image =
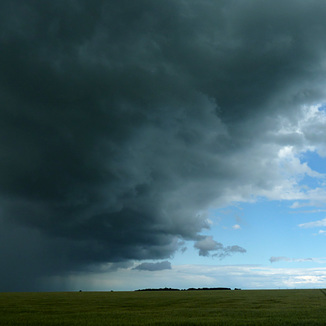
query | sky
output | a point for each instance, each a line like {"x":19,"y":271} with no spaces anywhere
{"x":174,"y":143}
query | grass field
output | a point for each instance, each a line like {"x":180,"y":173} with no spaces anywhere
{"x":259,"y":307}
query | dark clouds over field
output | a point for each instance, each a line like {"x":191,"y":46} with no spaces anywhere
{"x":154,"y":266}
{"x":122,"y":122}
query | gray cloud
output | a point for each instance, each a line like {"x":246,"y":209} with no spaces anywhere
{"x":208,"y":246}
{"x":287,"y":259}
{"x":120,"y":124}
{"x":277,"y":259}
{"x":154,"y":266}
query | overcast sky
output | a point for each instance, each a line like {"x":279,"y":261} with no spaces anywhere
{"x":162,"y":143}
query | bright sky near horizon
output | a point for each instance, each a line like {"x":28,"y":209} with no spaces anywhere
{"x":162,"y":144}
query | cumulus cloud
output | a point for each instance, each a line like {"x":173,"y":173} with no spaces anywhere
{"x":208,"y":246}
{"x":154,"y":266}
{"x":122,"y":124}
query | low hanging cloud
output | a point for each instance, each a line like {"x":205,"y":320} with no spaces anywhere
{"x":159,"y":266}
{"x":207,"y":246}
{"x":121,"y":124}
{"x":292,"y":260}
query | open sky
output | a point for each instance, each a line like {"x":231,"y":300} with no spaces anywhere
{"x":162,"y":144}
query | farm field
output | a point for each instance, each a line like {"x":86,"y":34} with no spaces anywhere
{"x":250,"y":307}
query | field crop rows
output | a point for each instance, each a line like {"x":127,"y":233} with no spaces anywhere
{"x":255,"y":307}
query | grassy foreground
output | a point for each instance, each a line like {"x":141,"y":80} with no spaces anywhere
{"x":260,"y":307}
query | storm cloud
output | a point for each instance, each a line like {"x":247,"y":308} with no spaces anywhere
{"x":159,"y":266}
{"x":122,"y":123}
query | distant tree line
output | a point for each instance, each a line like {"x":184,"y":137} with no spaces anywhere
{"x":160,"y":289}
{"x":190,"y":289}
{"x":207,"y":289}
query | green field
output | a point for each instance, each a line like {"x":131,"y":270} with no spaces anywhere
{"x":259,"y":307}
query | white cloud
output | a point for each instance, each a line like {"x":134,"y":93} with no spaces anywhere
{"x":297,"y":260}
{"x":236,"y":227}
{"x":313,"y":224}
{"x":311,"y":211}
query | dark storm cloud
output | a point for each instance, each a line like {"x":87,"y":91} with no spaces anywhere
{"x":122,"y":122}
{"x":154,"y":266}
